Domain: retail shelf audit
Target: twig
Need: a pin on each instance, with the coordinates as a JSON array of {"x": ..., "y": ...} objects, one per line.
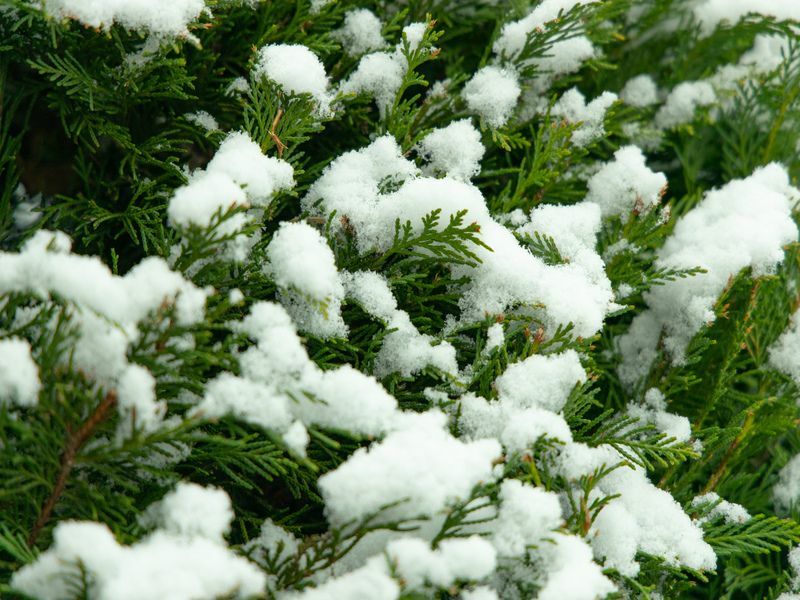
[
  {"x": 281, "y": 146},
  {"x": 74, "y": 444}
]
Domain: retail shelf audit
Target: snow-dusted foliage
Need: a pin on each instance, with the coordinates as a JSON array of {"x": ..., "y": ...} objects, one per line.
[{"x": 339, "y": 301}]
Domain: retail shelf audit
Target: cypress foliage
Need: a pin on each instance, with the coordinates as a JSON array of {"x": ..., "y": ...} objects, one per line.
[{"x": 586, "y": 307}]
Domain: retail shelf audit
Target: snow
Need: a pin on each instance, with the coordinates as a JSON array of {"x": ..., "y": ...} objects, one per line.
[
  {"x": 278, "y": 369},
  {"x": 378, "y": 75},
  {"x": 404, "y": 349},
  {"x": 626, "y": 185},
  {"x": 360, "y": 33},
  {"x": 455, "y": 150},
  {"x": 542, "y": 381},
  {"x": 273, "y": 543},
  {"x": 564, "y": 56},
  {"x": 422, "y": 467},
  {"x": 301, "y": 259},
  {"x": 206, "y": 196},
  {"x": 19, "y": 375},
  {"x": 495, "y": 338},
  {"x": 471, "y": 558},
  {"x": 786, "y": 492},
  {"x": 247, "y": 400},
  {"x": 303, "y": 267},
  {"x": 711, "y": 13},
  {"x": 571, "y": 573},
  {"x": 414, "y": 33},
  {"x": 492, "y": 94},
  {"x": 370, "y": 581},
  {"x": 572, "y": 106},
  {"x": 186, "y": 560},
  {"x": 515, "y": 34},
  {"x": 297, "y": 438},
  {"x": 654, "y": 411},
  {"x": 239, "y": 175},
  {"x": 479, "y": 593},
  {"x": 203, "y": 119},
  {"x": 260, "y": 176},
  {"x": 191, "y": 510},
  {"x": 746, "y": 223},
  {"x": 105, "y": 309},
  {"x": 352, "y": 402},
  {"x": 136, "y": 401},
  {"x": 729, "y": 512},
  {"x": 784, "y": 353},
  {"x": 642, "y": 518},
  {"x": 297, "y": 70},
  {"x": 168, "y": 19},
  {"x": 526, "y": 516},
  {"x": 578, "y": 292},
  {"x": 44, "y": 266},
  {"x": 682, "y": 103},
  {"x": 639, "y": 91}
]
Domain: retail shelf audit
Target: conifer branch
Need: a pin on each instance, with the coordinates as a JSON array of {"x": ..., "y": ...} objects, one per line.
[{"x": 73, "y": 445}]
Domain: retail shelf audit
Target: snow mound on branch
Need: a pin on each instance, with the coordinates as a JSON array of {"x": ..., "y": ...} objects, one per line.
[
  {"x": 784, "y": 354},
  {"x": 19, "y": 375},
  {"x": 238, "y": 175},
  {"x": 577, "y": 292},
  {"x": 562, "y": 57},
  {"x": 746, "y": 223},
  {"x": 682, "y": 103},
  {"x": 297, "y": 70},
  {"x": 186, "y": 558},
  {"x": 590, "y": 116},
  {"x": 106, "y": 311},
  {"x": 492, "y": 94},
  {"x": 304, "y": 268},
  {"x": 642, "y": 518},
  {"x": 170, "y": 19},
  {"x": 640, "y": 91},
  {"x": 711, "y": 13},
  {"x": 404, "y": 349},
  {"x": 626, "y": 184},
  {"x": 421, "y": 468},
  {"x": 455, "y": 150},
  {"x": 281, "y": 388},
  {"x": 360, "y": 33}
]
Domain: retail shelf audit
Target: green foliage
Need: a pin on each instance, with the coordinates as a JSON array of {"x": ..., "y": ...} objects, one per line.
[{"x": 95, "y": 126}]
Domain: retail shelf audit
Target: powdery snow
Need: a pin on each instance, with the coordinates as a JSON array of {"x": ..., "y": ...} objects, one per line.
[
  {"x": 421, "y": 466},
  {"x": 19, "y": 375},
  {"x": 492, "y": 94},
  {"x": 303, "y": 267},
  {"x": 168, "y": 19},
  {"x": 573, "y": 107},
  {"x": 682, "y": 103},
  {"x": 360, "y": 32},
  {"x": 640, "y": 91},
  {"x": 186, "y": 560},
  {"x": 745, "y": 223},
  {"x": 711, "y": 13},
  {"x": 784, "y": 353},
  {"x": 297, "y": 70},
  {"x": 455, "y": 150},
  {"x": 626, "y": 184}
]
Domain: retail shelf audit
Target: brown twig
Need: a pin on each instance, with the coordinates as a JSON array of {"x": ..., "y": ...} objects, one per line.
[
  {"x": 74, "y": 443},
  {"x": 281, "y": 146}
]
